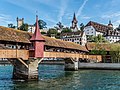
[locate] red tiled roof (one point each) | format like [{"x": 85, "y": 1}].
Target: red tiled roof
[
  {"x": 37, "y": 34},
  {"x": 99, "y": 27}
]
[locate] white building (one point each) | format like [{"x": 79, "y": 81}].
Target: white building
[
  {"x": 76, "y": 37},
  {"x": 112, "y": 36},
  {"x": 94, "y": 29},
  {"x": 31, "y": 28}
]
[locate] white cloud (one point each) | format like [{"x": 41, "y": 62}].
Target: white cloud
[
  {"x": 62, "y": 9},
  {"x": 5, "y": 19},
  {"x": 114, "y": 16},
  {"x": 85, "y": 17},
  {"x": 116, "y": 23},
  {"x": 24, "y": 5},
  {"x": 51, "y": 3},
  {"x": 111, "y": 15},
  {"x": 81, "y": 8},
  {"x": 50, "y": 19}
]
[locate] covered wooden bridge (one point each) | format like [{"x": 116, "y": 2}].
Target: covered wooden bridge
[
  {"x": 25, "y": 50},
  {"x": 16, "y": 44}
]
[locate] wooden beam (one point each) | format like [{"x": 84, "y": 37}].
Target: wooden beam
[
  {"x": 40, "y": 60},
  {"x": 22, "y": 62}
]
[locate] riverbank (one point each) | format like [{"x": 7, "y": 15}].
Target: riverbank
[
  {"x": 100, "y": 66},
  {"x": 53, "y": 62},
  {"x": 94, "y": 66}
]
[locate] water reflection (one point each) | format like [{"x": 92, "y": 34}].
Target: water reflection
[{"x": 53, "y": 77}]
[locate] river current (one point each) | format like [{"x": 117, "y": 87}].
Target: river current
[{"x": 53, "y": 77}]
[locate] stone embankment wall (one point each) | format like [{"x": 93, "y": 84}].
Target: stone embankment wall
[
  {"x": 104, "y": 66},
  {"x": 53, "y": 62}
]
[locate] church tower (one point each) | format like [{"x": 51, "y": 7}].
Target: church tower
[
  {"x": 74, "y": 23},
  {"x": 110, "y": 24}
]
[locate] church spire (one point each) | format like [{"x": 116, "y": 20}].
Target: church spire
[
  {"x": 110, "y": 24},
  {"x": 37, "y": 35},
  {"x": 74, "y": 18},
  {"x": 74, "y": 23}
]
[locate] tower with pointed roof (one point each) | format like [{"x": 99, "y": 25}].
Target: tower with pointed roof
[
  {"x": 110, "y": 24},
  {"x": 37, "y": 41},
  {"x": 74, "y": 23}
]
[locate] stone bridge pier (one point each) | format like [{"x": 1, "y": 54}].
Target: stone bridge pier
[
  {"x": 25, "y": 69},
  {"x": 71, "y": 64}
]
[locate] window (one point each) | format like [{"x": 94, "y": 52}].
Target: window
[
  {"x": 72, "y": 40},
  {"x": 80, "y": 39},
  {"x": 80, "y": 43}
]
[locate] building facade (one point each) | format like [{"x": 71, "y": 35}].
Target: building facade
[
  {"x": 31, "y": 28},
  {"x": 112, "y": 36},
  {"x": 76, "y": 37},
  {"x": 107, "y": 31}
]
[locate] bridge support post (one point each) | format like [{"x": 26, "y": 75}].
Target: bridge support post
[
  {"x": 28, "y": 70},
  {"x": 71, "y": 64},
  {"x": 20, "y": 71},
  {"x": 33, "y": 69}
]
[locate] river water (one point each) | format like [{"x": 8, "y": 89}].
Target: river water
[{"x": 53, "y": 77}]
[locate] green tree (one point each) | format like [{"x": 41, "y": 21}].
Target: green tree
[
  {"x": 42, "y": 24},
  {"x": 97, "y": 39},
  {"x": 11, "y": 25},
  {"x": 65, "y": 30},
  {"x": 59, "y": 26},
  {"x": 24, "y": 27},
  {"x": 99, "y": 50},
  {"x": 43, "y": 33},
  {"x": 52, "y": 31},
  {"x": 115, "y": 53}
]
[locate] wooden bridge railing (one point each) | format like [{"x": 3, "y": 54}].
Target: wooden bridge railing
[
  {"x": 72, "y": 55},
  {"x": 12, "y": 53},
  {"x": 24, "y": 54}
]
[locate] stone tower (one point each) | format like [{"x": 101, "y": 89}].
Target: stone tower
[{"x": 19, "y": 22}]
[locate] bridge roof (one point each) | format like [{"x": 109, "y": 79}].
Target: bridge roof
[
  {"x": 63, "y": 44},
  {"x": 99, "y": 46},
  {"x": 13, "y": 35}
]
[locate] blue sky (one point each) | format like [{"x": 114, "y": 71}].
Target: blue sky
[{"x": 53, "y": 11}]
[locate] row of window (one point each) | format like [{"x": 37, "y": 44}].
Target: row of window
[
  {"x": 114, "y": 37},
  {"x": 113, "y": 41},
  {"x": 67, "y": 39}
]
